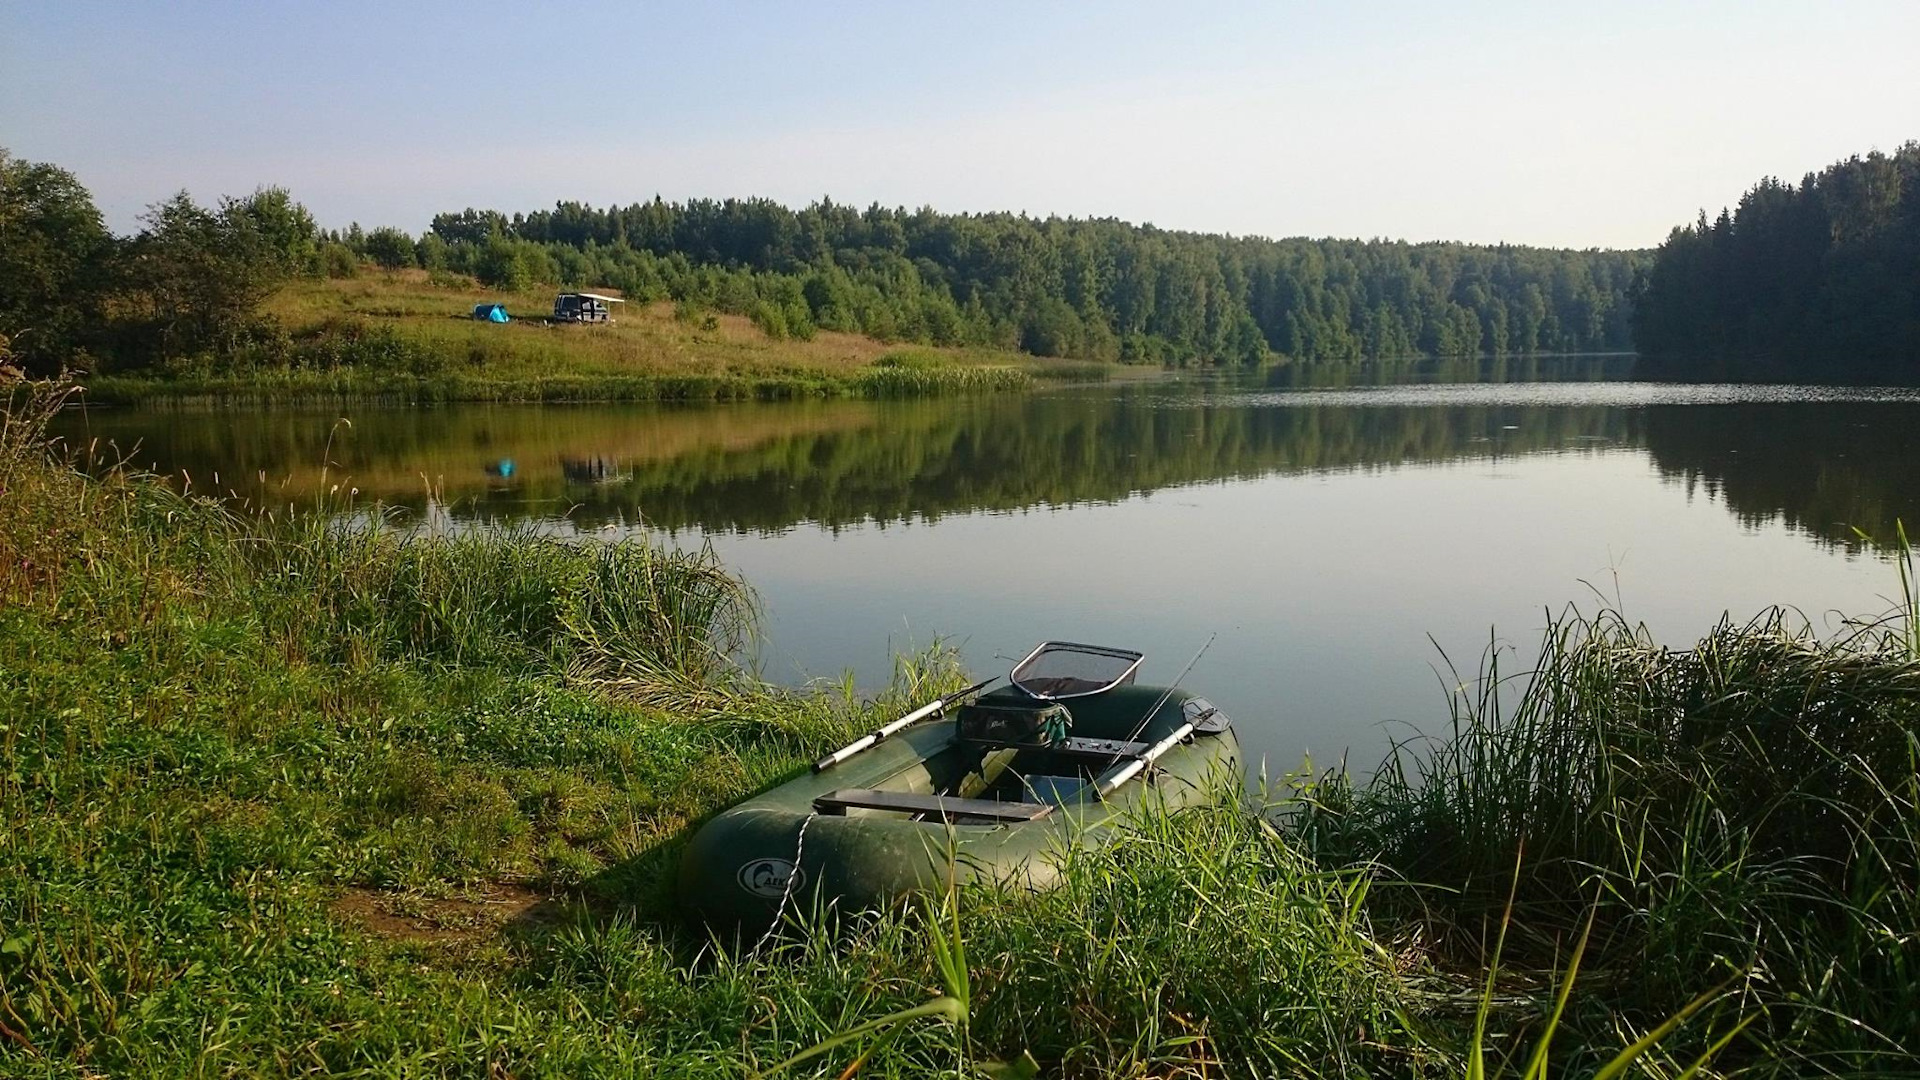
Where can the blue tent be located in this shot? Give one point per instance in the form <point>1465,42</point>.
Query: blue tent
<point>491,312</point>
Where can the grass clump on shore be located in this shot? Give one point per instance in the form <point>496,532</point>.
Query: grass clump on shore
<point>305,796</point>
<point>1743,813</point>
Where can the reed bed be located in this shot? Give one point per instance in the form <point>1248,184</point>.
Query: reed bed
<point>901,382</point>
<point>657,625</point>
<point>1740,813</point>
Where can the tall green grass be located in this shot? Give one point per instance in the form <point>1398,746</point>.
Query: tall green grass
<point>659,625</point>
<point>651,623</point>
<point>1742,810</point>
<point>889,378</point>
<point>1909,604</point>
<point>1202,939</point>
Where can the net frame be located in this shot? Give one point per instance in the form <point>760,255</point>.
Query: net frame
<point>1067,684</point>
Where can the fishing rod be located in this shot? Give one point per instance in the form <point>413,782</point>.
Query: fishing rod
<point>932,708</point>
<point>1113,778</point>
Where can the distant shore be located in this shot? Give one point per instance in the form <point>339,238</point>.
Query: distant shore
<point>402,338</point>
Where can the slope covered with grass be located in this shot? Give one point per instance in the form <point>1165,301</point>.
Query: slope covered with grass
<point>407,336</point>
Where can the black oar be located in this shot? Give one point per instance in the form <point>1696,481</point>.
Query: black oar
<point>931,708</point>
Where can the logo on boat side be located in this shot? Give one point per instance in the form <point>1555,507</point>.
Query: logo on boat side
<point>771,878</point>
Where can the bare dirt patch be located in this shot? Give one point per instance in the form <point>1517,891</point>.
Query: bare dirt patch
<point>431,920</point>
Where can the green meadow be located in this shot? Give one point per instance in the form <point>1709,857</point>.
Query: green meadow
<point>407,336</point>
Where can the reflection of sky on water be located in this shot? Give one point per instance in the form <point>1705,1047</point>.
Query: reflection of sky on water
<point>1323,588</point>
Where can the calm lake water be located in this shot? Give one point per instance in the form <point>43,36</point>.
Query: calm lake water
<point>1335,537</point>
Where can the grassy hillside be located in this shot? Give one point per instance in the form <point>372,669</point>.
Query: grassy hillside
<point>404,334</point>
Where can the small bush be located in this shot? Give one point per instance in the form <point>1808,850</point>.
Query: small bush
<point>770,319</point>
<point>499,266</point>
<point>390,248</point>
<point>799,320</point>
<point>338,261</point>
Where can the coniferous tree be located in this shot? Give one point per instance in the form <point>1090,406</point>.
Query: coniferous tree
<point>1819,280</point>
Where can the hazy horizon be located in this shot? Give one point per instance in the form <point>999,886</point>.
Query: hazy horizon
<point>1497,123</point>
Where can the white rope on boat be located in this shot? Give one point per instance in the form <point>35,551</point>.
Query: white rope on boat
<point>786,894</point>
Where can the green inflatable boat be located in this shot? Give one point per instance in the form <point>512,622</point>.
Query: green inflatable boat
<point>1016,776</point>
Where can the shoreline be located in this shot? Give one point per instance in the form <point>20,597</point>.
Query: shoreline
<point>297,389</point>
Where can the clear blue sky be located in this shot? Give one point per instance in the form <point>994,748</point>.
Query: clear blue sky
<point>1539,122</point>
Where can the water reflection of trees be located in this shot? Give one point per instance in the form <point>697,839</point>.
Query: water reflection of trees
<point>763,468</point>
<point>1825,468</point>
<point>1055,453</point>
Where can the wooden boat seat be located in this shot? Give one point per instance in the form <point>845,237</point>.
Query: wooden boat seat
<point>945,806</point>
<point>1101,748</point>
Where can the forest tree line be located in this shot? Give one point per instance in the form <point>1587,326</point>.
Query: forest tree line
<point>1818,281</point>
<point>189,283</point>
<point>1094,288</point>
